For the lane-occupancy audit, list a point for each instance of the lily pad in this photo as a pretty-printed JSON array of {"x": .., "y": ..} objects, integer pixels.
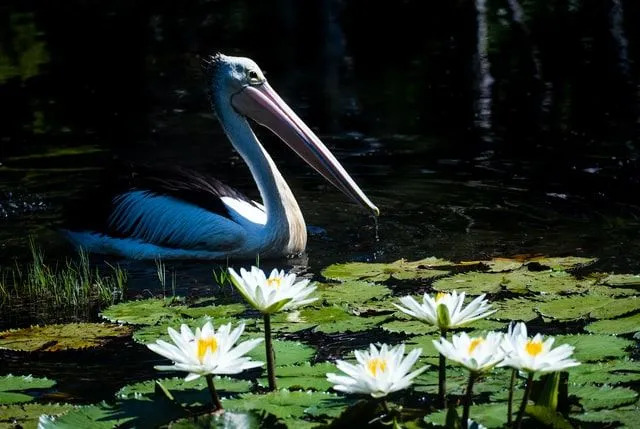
[
  {"x": 616, "y": 308},
  {"x": 286, "y": 352},
  {"x": 22, "y": 388},
  {"x": 562, "y": 263},
  {"x": 609, "y": 372},
  {"x": 303, "y": 377},
  {"x": 187, "y": 393},
  {"x": 425, "y": 269},
  {"x": 409, "y": 327},
  {"x": 27, "y": 415},
  {"x": 515, "y": 309},
  {"x": 624, "y": 325},
  {"x": 52, "y": 338},
  {"x": 326, "y": 319},
  {"x": 573, "y": 307},
  {"x": 596, "y": 398},
  {"x": 622, "y": 280},
  {"x": 287, "y": 405},
  {"x": 350, "y": 292},
  {"x": 489, "y": 415},
  {"x": 627, "y": 416},
  {"x": 593, "y": 348},
  {"x": 153, "y": 311}
]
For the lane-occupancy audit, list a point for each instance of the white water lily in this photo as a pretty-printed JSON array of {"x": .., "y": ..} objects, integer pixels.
[
  {"x": 445, "y": 310},
  {"x": 378, "y": 372},
  {"x": 206, "y": 352},
  {"x": 477, "y": 354},
  {"x": 279, "y": 291},
  {"x": 535, "y": 354}
]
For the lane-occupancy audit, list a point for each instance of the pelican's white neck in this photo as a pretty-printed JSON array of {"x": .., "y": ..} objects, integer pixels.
[{"x": 285, "y": 227}]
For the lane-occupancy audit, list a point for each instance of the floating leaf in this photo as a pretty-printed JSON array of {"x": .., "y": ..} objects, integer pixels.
[
  {"x": 592, "y": 348},
  {"x": 350, "y": 292},
  {"x": 326, "y": 319},
  {"x": 609, "y": 372},
  {"x": 595, "y": 398},
  {"x": 52, "y": 338},
  {"x": 548, "y": 417},
  {"x": 428, "y": 381},
  {"x": 304, "y": 377},
  {"x": 616, "y": 308},
  {"x": 27, "y": 415},
  {"x": 516, "y": 309},
  {"x": 286, "y": 352},
  {"x": 409, "y": 327},
  {"x": 562, "y": 263},
  {"x": 489, "y": 415},
  {"x": 286, "y": 405},
  {"x": 624, "y": 325},
  {"x": 378, "y": 272},
  {"x": 622, "y": 280},
  {"x": 573, "y": 307},
  {"x": 153, "y": 311},
  {"x": 186, "y": 393},
  {"x": 22, "y": 388},
  {"x": 100, "y": 416},
  {"x": 628, "y": 416}
]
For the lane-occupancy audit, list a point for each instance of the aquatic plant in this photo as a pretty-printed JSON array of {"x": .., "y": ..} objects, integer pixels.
[
  {"x": 74, "y": 285},
  {"x": 269, "y": 295},
  {"x": 446, "y": 311},
  {"x": 207, "y": 353}
]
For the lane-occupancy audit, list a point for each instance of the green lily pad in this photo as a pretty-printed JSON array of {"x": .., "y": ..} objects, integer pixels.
[
  {"x": 153, "y": 311},
  {"x": 27, "y": 415},
  {"x": 624, "y": 325},
  {"x": 22, "y": 388},
  {"x": 515, "y": 309},
  {"x": 326, "y": 319},
  {"x": 428, "y": 381},
  {"x": 562, "y": 263},
  {"x": 609, "y": 372},
  {"x": 290, "y": 405},
  {"x": 627, "y": 416},
  {"x": 622, "y": 280},
  {"x": 573, "y": 307},
  {"x": 102, "y": 416},
  {"x": 593, "y": 348},
  {"x": 350, "y": 292},
  {"x": 409, "y": 327},
  {"x": 596, "y": 398},
  {"x": 616, "y": 308},
  {"x": 489, "y": 415},
  {"x": 52, "y": 338},
  {"x": 303, "y": 377},
  {"x": 187, "y": 393},
  {"x": 377, "y": 272},
  {"x": 286, "y": 352}
]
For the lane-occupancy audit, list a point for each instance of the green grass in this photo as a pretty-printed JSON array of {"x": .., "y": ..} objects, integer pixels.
[{"x": 68, "y": 285}]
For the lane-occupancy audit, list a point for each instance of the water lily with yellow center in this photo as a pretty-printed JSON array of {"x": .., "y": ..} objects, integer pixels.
[
  {"x": 477, "y": 354},
  {"x": 277, "y": 292},
  {"x": 379, "y": 371},
  {"x": 535, "y": 354},
  {"x": 446, "y": 310},
  {"x": 206, "y": 351}
]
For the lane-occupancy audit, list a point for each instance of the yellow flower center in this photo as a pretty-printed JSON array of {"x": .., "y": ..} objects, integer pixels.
[
  {"x": 534, "y": 348},
  {"x": 440, "y": 295},
  {"x": 475, "y": 342},
  {"x": 377, "y": 366},
  {"x": 274, "y": 282},
  {"x": 205, "y": 344}
]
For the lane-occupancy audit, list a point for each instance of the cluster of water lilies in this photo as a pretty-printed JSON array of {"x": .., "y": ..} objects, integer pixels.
[{"x": 381, "y": 369}]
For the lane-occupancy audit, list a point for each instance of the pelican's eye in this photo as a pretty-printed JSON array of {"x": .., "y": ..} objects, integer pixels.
[{"x": 254, "y": 77}]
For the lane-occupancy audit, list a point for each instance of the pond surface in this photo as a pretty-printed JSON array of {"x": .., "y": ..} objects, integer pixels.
[{"x": 526, "y": 144}]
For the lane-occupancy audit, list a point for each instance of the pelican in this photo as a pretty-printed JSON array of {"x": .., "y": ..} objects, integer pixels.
[{"x": 193, "y": 216}]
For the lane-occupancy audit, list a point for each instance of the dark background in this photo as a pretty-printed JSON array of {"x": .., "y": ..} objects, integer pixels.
[{"x": 437, "y": 108}]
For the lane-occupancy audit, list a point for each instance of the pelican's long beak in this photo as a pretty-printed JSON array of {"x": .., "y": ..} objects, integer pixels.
[{"x": 262, "y": 104}]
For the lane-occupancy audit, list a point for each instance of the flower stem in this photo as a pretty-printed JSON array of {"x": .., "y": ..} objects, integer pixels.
[
  {"x": 271, "y": 372},
  {"x": 214, "y": 394},
  {"x": 442, "y": 375},
  {"x": 525, "y": 399},
  {"x": 510, "y": 401},
  {"x": 467, "y": 402}
]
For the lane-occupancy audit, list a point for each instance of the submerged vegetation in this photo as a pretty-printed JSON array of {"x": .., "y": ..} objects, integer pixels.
[{"x": 73, "y": 286}]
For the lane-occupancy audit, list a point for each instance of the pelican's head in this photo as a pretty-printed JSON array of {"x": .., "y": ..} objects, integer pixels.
[{"x": 239, "y": 82}]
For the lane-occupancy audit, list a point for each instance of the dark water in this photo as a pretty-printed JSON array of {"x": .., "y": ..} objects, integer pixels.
[{"x": 479, "y": 131}]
